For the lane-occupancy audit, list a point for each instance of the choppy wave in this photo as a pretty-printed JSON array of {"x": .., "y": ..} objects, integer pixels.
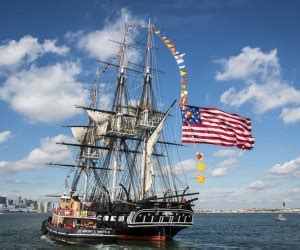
[{"x": 223, "y": 231}]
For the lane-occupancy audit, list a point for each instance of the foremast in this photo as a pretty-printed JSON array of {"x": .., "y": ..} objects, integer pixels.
[{"x": 85, "y": 135}]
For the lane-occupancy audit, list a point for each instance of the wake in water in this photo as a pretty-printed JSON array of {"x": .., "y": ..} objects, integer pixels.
[
  {"x": 47, "y": 239},
  {"x": 123, "y": 246}
]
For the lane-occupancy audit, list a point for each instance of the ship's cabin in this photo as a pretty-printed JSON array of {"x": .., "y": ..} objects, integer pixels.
[
  {"x": 71, "y": 213},
  {"x": 70, "y": 204}
]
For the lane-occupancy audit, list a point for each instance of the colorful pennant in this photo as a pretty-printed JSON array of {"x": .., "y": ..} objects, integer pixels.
[
  {"x": 180, "y": 61},
  {"x": 183, "y": 89}
]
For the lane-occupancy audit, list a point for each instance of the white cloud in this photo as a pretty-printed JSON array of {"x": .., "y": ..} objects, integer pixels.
[
  {"x": 219, "y": 172},
  {"x": 278, "y": 171},
  {"x": 258, "y": 185},
  {"x": 48, "y": 151},
  {"x": 250, "y": 64},
  {"x": 246, "y": 198},
  {"x": 267, "y": 96},
  {"x": 5, "y": 135},
  {"x": 227, "y": 152},
  {"x": 3, "y": 164},
  {"x": 27, "y": 49},
  {"x": 46, "y": 94},
  {"x": 294, "y": 191},
  {"x": 189, "y": 166},
  {"x": 290, "y": 115},
  {"x": 105, "y": 100},
  {"x": 291, "y": 168},
  {"x": 223, "y": 167},
  {"x": 265, "y": 89},
  {"x": 222, "y": 198},
  {"x": 219, "y": 192},
  {"x": 97, "y": 43},
  {"x": 14, "y": 181}
]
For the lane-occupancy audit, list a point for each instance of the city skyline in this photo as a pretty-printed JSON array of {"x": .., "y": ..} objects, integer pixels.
[
  {"x": 25, "y": 205},
  {"x": 237, "y": 62},
  {"x": 29, "y": 205}
]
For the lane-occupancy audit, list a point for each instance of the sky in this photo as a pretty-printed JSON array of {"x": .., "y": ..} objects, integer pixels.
[{"x": 242, "y": 56}]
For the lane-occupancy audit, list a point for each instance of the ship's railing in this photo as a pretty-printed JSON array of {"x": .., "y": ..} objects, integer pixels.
[
  {"x": 64, "y": 212},
  {"x": 150, "y": 121},
  {"x": 72, "y": 213},
  {"x": 131, "y": 125},
  {"x": 127, "y": 126}
]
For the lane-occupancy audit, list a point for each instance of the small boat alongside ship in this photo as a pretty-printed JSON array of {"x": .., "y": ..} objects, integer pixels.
[{"x": 123, "y": 182}]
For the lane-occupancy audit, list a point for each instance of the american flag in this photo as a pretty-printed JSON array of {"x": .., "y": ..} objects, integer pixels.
[{"x": 213, "y": 126}]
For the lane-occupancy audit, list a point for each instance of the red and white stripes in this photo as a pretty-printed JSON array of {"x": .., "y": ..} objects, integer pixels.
[{"x": 219, "y": 128}]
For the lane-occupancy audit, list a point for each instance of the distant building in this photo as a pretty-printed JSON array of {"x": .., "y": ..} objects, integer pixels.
[
  {"x": 19, "y": 201},
  {"x": 40, "y": 206},
  {"x": 24, "y": 202},
  {"x": 35, "y": 204},
  {"x": 2, "y": 200},
  {"x": 9, "y": 202},
  {"x": 46, "y": 207},
  {"x": 29, "y": 202}
]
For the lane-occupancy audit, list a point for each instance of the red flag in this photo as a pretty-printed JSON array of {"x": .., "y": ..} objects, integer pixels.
[
  {"x": 199, "y": 156},
  {"x": 184, "y": 80}
]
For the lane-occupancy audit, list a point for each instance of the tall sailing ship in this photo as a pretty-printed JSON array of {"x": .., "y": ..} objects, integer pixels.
[{"x": 124, "y": 183}]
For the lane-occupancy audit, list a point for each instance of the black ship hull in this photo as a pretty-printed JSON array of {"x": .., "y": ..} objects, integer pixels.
[
  {"x": 108, "y": 235},
  {"x": 145, "y": 223}
]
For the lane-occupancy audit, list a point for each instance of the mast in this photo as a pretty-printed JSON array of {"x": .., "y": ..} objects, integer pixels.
[
  {"x": 146, "y": 107},
  {"x": 119, "y": 110},
  {"x": 90, "y": 137},
  {"x": 87, "y": 137}
]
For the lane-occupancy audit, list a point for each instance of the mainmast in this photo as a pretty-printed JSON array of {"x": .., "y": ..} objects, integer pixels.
[
  {"x": 119, "y": 108},
  {"x": 146, "y": 107}
]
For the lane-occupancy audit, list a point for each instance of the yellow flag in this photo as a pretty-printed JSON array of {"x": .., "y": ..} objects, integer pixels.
[
  {"x": 183, "y": 72},
  {"x": 201, "y": 179},
  {"x": 201, "y": 166}
]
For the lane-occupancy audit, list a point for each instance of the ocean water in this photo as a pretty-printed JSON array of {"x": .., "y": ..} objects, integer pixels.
[{"x": 210, "y": 231}]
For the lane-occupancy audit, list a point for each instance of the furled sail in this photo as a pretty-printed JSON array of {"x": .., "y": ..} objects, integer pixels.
[
  {"x": 107, "y": 141},
  {"x": 101, "y": 129},
  {"x": 101, "y": 132},
  {"x": 97, "y": 116},
  {"x": 78, "y": 132},
  {"x": 149, "y": 149}
]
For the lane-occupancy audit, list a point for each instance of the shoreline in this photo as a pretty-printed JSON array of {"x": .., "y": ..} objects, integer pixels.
[{"x": 250, "y": 212}]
